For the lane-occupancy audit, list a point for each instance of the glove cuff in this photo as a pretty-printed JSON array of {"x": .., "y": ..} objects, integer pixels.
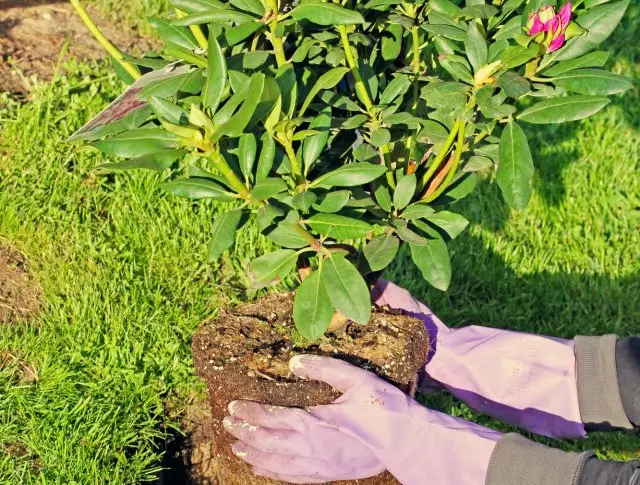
[{"x": 598, "y": 392}]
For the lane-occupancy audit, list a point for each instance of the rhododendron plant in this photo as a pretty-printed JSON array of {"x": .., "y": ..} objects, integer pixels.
[{"x": 344, "y": 131}]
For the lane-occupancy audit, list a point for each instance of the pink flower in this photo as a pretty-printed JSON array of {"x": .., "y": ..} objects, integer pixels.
[{"x": 553, "y": 25}]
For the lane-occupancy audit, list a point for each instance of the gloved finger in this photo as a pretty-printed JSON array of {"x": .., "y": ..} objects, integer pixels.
[
  {"x": 279, "y": 441},
  {"x": 338, "y": 374},
  {"x": 273, "y": 417},
  {"x": 290, "y": 465},
  {"x": 291, "y": 478}
]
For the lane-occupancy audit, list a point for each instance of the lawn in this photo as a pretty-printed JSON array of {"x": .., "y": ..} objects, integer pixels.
[{"x": 126, "y": 283}]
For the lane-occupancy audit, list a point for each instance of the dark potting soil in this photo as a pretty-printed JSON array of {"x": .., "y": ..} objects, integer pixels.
[{"x": 245, "y": 353}]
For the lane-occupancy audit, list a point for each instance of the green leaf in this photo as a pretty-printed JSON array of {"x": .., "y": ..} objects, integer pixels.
[
  {"x": 515, "y": 169},
  {"x": 216, "y": 77},
  {"x": 173, "y": 34},
  {"x": 366, "y": 153},
  {"x": 445, "y": 94},
  {"x": 247, "y": 149},
  {"x": 312, "y": 308},
  {"x": 458, "y": 70},
  {"x": 513, "y": 84},
  {"x": 381, "y": 251},
  {"x": 285, "y": 233},
  {"x": 314, "y": 145},
  {"x": 380, "y": 137},
  {"x": 217, "y": 16},
  {"x": 193, "y": 6},
  {"x": 433, "y": 261},
  {"x": 515, "y": 56},
  {"x": 446, "y": 7},
  {"x": 408, "y": 236},
  {"x": 253, "y": 6},
  {"x": 453, "y": 224},
  {"x": 272, "y": 268},
  {"x": 347, "y": 289},
  {"x": 448, "y": 31},
  {"x": 235, "y": 35},
  {"x": 560, "y": 110},
  {"x": 475, "y": 46},
  {"x": 303, "y": 201},
  {"x": 416, "y": 211},
  {"x": 332, "y": 202},
  {"x": 268, "y": 187},
  {"x": 405, "y": 190},
  {"x": 392, "y": 42},
  {"x": 600, "y": 22},
  {"x": 593, "y": 59},
  {"x": 398, "y": 86},
  {"x": 352, "y": 174},
  {"x": 267, "y": 157},
  {"x": 383, "y": 198},
  {"x": 326, "y": 14},
  {"x": 477, "y": 163},
  {"x": 592, "y": 81},
  {"x": 198, "y": 188},
  {"x": 339, "y": 227},
  {"x": 158, "y": 161},
  {"x": 224, "y": 233},
  {"x": 479, "y": 11},
  {"x": 168, "y": 111},
  {"x": 327, "y": 81},
  {"x": 136, "y": 143}
]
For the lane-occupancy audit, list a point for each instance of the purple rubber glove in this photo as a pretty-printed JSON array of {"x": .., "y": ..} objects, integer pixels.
[
  {"x": 373, "y": 426},
  {"x": 526, "y": 380}
]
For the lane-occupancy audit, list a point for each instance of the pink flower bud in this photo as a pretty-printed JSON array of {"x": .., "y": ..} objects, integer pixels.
[
  {"x": 553, "y": 26},
  {"x": 535, "y": 25},
  {"x": 556, "y": 43},
  {"x": 565, "y": 15}
]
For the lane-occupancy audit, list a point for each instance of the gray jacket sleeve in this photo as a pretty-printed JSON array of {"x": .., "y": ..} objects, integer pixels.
[{"x": 609, "y": 398}]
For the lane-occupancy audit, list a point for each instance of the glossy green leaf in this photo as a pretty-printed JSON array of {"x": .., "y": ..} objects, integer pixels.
[
  {"x": 217, "y": 16},
  {"x": 224, "y": 232},
  {"x": 216, "y": 78},
  {"x": 448, "y": 31},
  {"x": 453, "y": 224},
  {"x": 339, "y": 227},
  {"x": 304, "y": 200},
  {"x": 351, "y": 175},
  {"x": 174, "y": 34},
  {"x": 381, "y": 251},
  {"x": 286, "y": 235},
  {"x": 327, "y": 81},
  {"x": 332, "y": 202},
  {"x": 600, "y": 22},
  {"x": 268, "y": 187},
  {"x": 396, "y": 88},
  {"x": 272, "y": 268},
  {"x": 592, "y": 81},
  {"x": 515, "y": 170},
  {"x": 479, "y": 11},
  {"x": 136, "y": 143},
  {"x": 409, "y": 236},
  {"x": 326, "y": 14},
  {"x": 446, "y": 7},
  {"x": 514, "y": 84},
  {"x": 266, "y": 214},
  {"x": 166, "y": 110},
  {"x": 391, "y": 45},
  {"x": 475, "y": 46},
  {"x": 593, "y": 59},
  {"x": 515, "y": 56},
  {"x": 253, "y": 6},
  {"x": 314, "y": 145},
  {"x": 312, "y": 308},
  {"x": 193, "y": 6},
  {"x": 417, "y": 211},
  {"x": 383, "y": 197},
  {"x": 433, "y": 261},
  {"x": 347, "y": 289},
  {"x": 560, "y": 110},
  {"x": 158, "y": 161},
  {"x": 198, "y": 188},
  {"x": 380, "y": 137},
  {"x": 235, "y": 35},
  {"x": 247, "y": 149},
  {"x": 267, "y": 157},
  {"x": 405, "y": 190}
]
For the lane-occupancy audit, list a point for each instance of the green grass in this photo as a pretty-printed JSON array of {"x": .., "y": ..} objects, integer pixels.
[{"x": 126, "y": 283}]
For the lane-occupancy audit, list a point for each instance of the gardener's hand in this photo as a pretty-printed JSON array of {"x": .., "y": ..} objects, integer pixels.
[
  {"x": 373, "y": 426},
  {"x": 526, "y": 380}
]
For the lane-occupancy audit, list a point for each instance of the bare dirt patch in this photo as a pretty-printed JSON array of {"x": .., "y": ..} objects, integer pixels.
[
  {"x": 32, "y": 34},
  {"x": 19, "y": 293}
]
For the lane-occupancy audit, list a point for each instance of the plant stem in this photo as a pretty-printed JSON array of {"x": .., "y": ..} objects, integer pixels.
[
  {"x": 416, "y": 73},
  {"x": 441, "y": 154},
  {"x": 454, "y": 166},
  {"x": 196, "y": 31},
  {"x": 276, "y": 42},
  {"x": 361, "y": 89},
  {"x": 296, "y": 170},
  {"x": 111, "y": 49},
  {"x": 221, "y": 164},
  {"x": 363, "y": 94},
  {"x": 313, "y": 242}
]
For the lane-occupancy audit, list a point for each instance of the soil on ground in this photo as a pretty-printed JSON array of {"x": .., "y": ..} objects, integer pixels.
[
  {"x": 19, "y": 293},
  {"x": 244, "y": 354},
  {"x": 32, "y": 34}
]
